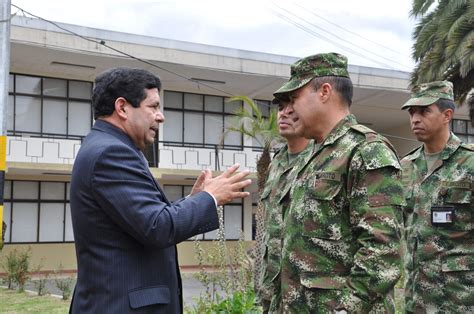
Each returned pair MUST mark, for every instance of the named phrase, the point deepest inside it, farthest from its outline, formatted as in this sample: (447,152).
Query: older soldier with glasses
(438,178)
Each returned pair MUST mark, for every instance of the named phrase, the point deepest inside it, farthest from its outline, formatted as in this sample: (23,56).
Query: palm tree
(252,123)
(444,46)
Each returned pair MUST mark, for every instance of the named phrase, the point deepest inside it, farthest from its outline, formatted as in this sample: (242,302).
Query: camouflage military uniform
(439,261)
(341,231)
(280,177)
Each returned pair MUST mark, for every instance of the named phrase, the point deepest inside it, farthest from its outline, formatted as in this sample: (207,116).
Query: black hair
(445,104)
(121,82)
(343,85)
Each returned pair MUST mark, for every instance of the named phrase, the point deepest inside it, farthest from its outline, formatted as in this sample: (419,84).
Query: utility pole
(5,21)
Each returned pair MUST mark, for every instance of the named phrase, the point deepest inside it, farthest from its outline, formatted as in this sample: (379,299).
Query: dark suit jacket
(126,231)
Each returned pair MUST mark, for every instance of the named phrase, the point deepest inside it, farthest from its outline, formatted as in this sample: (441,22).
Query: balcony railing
(62,149)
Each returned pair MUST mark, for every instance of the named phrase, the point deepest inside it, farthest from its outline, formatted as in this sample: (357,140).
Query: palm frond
(250,121)
(452,5)
(467,66)
(425,35)
(420,7)
(250,102)
(444,40)
(459,29)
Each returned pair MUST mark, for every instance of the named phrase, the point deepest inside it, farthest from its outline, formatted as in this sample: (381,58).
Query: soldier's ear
(448,115)
(325,91)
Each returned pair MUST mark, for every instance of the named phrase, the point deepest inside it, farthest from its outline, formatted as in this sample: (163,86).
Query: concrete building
(49,112)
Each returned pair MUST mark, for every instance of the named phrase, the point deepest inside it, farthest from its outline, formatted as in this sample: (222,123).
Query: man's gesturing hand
(199,184)
(228,185)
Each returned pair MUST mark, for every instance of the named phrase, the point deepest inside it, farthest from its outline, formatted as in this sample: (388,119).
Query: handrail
(152,153)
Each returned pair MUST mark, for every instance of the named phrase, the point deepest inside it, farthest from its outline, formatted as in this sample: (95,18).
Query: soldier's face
(427,123)
(286,119)
(308,111)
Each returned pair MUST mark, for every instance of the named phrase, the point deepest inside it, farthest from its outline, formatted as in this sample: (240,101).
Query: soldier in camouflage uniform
(342,228)
(438,178)
(285,164)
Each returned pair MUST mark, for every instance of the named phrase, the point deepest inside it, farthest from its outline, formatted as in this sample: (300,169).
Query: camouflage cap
(304,70)
(428,93)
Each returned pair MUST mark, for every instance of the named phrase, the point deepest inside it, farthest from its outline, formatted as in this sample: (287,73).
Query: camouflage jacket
(279,180)
(342,230)
(439,260)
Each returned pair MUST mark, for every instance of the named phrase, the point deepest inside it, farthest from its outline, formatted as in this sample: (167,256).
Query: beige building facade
(49,113)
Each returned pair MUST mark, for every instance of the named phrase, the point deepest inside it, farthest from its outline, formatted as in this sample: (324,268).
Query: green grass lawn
(13,302)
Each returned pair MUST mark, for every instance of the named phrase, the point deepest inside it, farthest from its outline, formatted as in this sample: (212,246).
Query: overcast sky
(374,33)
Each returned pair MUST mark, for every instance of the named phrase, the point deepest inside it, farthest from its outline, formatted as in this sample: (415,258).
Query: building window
(37,211)
(233,213)
(48,107)
(199,120)
(463,129)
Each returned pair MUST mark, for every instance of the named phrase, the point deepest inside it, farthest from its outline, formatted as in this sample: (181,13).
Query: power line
(103,43)
(347,30)
(318,35)
(314,33)
(336,36)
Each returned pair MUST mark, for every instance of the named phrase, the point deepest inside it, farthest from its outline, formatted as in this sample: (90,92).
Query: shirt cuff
(215,201)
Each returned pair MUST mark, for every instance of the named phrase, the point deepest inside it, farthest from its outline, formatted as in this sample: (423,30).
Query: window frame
(467,135)
(203,112)
(38,201)
(15,94)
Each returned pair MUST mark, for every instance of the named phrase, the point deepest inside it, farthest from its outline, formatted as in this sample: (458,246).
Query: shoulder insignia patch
(469,146)
(362,128)
(412,151)
(371,135)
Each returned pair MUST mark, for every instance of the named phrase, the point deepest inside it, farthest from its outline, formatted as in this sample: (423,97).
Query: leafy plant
(63,283)
(229,289)
(23,273)
(238,302)
(443,46)
(16,264)
(9,264)
(40,283)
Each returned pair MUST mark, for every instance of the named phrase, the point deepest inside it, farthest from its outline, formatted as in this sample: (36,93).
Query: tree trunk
(470,103)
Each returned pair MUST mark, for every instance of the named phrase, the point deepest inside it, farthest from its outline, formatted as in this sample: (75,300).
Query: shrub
(16,264)
(229,289)
(238,302)
(10,264)
(22,273)
(40,283)
(63,283)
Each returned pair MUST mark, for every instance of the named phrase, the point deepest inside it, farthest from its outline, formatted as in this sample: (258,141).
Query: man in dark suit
(125,228)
